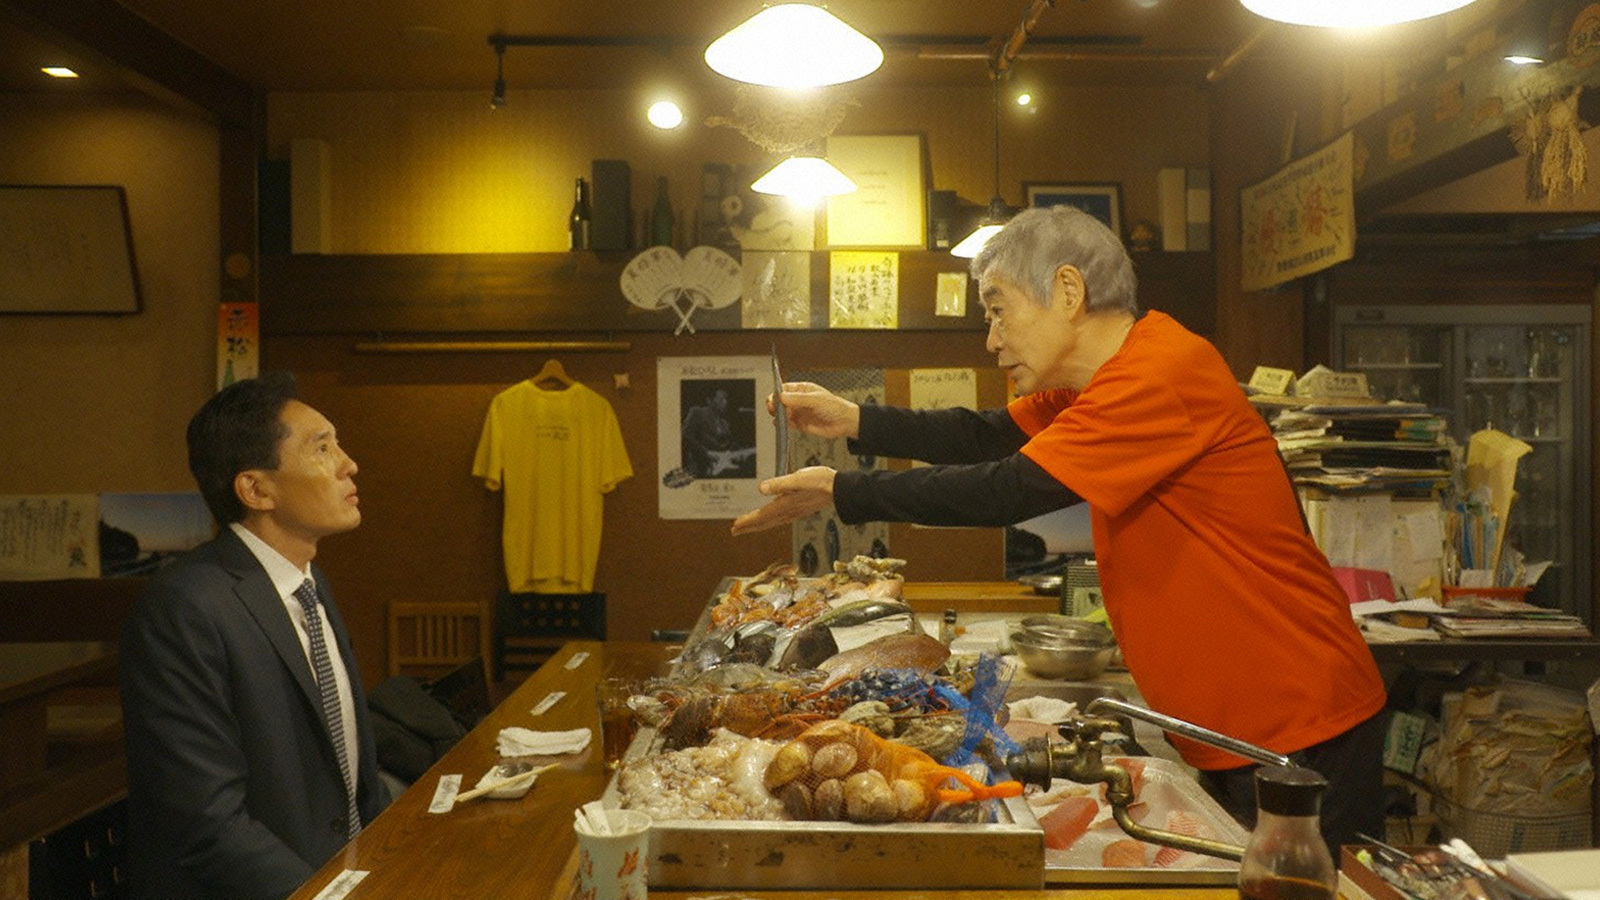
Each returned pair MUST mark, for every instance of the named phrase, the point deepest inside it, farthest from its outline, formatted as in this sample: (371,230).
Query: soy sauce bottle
(1286,858)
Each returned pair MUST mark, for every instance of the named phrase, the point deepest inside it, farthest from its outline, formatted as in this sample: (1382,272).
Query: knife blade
(780,418)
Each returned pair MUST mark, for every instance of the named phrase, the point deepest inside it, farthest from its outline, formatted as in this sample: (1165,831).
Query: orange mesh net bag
(839,771)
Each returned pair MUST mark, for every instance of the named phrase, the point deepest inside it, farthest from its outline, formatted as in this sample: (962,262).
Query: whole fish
(895,651)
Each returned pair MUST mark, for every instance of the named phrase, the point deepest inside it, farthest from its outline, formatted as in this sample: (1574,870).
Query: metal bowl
(1063,647)
(1067,630)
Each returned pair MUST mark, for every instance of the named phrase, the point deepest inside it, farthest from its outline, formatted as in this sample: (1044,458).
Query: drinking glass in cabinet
(1546,349)
(1545,412)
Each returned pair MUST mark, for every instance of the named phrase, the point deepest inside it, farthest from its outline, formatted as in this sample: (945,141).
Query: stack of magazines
(1475,616)
(1364,447)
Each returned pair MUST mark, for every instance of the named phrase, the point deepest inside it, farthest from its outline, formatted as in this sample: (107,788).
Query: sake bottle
(578,220)
(661,216)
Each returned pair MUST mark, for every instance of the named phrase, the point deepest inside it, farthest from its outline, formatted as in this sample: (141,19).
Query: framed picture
(889,206)
(66,249)
(1103,201)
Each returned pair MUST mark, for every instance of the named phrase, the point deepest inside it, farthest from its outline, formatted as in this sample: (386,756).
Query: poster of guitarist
(715,443)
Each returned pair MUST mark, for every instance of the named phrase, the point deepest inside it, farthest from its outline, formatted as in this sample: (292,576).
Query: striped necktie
(322,667)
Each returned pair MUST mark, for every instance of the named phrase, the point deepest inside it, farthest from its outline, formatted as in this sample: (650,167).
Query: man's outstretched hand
(793,498)
(815,410)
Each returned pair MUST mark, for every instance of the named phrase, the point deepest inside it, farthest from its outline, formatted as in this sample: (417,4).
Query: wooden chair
(530,628)
(430,638)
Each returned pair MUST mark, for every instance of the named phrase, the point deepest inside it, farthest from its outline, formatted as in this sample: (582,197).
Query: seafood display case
(1007,852)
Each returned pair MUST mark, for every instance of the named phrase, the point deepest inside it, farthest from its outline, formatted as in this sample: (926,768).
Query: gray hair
(1038,241)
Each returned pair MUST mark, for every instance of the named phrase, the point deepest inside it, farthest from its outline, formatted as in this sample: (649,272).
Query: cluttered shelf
(1486,650)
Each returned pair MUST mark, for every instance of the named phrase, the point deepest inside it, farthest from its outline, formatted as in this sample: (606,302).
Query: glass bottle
(1286,857)
(578,221)
(947,627)
(661,216)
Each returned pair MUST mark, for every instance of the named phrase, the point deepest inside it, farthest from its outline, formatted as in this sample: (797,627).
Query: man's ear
(1068,288)
(254,489)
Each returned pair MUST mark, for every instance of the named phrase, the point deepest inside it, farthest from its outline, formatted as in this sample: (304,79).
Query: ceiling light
(805,179)
(59,72)
(972,243)
(1518,59)
(995,218)
(794,45)
(664,114)
(1024,99)
(1350,13)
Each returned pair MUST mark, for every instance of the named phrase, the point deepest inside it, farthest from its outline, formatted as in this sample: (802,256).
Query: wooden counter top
(502,849)
(977,596)
(523,849)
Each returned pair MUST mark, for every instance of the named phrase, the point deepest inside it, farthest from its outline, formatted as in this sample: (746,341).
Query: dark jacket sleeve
(937,435)
(1001,492)
(187,760)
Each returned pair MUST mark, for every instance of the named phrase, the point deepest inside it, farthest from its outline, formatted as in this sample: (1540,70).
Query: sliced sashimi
(1068,821)
(1184,822)
(1124,854)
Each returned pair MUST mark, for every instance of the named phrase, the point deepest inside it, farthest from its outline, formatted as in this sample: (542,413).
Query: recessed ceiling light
(59,72)
(664,114)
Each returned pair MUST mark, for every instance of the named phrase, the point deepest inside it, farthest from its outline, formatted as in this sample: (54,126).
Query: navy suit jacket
(234,790)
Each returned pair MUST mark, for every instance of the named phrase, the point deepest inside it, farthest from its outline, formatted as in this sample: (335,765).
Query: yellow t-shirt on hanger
(556,453)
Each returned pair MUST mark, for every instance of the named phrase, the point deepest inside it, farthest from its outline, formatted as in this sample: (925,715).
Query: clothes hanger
(553,371)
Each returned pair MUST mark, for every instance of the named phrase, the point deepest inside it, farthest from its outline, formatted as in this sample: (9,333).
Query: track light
(498,99)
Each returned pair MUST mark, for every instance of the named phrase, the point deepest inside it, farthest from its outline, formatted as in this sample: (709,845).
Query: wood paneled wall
(431,531)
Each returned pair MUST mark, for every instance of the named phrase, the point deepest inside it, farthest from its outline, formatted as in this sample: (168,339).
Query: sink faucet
(1079,758)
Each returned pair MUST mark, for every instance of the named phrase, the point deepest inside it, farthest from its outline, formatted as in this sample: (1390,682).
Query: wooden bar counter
(523,849)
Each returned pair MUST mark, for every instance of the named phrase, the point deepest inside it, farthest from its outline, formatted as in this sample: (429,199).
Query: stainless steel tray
(694,854)
(1164,779)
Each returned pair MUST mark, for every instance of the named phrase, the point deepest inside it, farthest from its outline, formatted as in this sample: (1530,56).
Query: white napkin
(515,741)
(1042,709)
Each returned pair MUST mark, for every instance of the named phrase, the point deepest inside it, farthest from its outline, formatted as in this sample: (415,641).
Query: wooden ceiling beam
(1458,123)
(145,56)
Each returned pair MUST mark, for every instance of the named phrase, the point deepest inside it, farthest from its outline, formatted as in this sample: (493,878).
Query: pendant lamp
(1350,13)
(794,45)
(998,213)
(805,179)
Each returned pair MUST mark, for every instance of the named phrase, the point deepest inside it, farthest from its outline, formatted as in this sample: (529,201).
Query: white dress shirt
(286,578)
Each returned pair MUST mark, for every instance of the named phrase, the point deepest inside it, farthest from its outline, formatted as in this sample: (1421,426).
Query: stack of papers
(1363,447)
(1482,618)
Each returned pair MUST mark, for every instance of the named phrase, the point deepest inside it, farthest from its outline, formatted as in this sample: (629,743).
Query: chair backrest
(529,628)
(430,638)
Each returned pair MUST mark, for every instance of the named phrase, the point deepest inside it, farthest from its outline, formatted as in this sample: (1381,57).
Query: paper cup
(614,866)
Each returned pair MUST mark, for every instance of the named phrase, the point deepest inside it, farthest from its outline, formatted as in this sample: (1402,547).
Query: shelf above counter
(497,293)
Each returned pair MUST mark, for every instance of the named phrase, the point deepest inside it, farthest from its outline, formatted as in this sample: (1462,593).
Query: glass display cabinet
(1521,369)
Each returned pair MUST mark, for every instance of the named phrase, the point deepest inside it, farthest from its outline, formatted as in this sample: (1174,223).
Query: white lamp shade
(804,178)
(1350,13)
(972,243)
(794,45)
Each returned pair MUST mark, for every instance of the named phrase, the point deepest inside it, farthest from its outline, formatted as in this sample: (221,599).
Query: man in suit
(250,757)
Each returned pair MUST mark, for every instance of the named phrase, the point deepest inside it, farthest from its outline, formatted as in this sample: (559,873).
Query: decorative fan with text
(659,278)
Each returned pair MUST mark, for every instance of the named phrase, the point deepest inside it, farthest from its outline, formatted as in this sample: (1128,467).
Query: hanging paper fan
(653,279)
(712,277)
